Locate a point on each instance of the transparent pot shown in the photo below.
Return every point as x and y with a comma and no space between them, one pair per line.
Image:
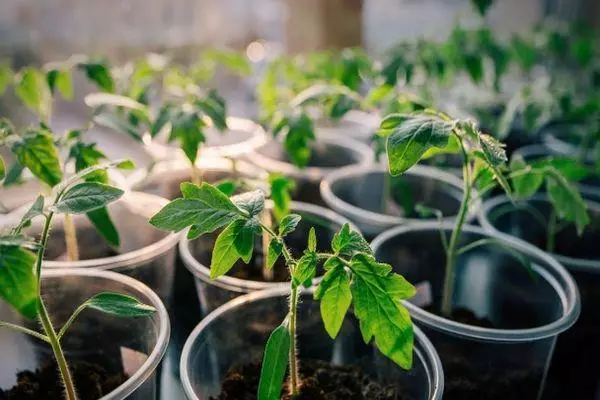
197,254
589,186
133,346
145,253
236,333
241,137
357,192
329,153
578,348
165,178
356,124
569,139
505,356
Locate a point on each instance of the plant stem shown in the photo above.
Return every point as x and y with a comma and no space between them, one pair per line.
196,175
448,289
265,219
71,239
22,329
45,319
550,242
293,352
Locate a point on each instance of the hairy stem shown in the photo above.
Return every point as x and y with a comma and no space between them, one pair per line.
63,367
294,380
27,331
266,219
196,175
71,239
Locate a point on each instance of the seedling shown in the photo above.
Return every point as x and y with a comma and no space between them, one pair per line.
412,137
353,275
22,257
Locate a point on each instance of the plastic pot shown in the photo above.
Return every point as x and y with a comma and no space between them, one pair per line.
197,254
236,333
567,138
134,346
589,186
242,136
502,350
578,348
166,177
356,124
357,192
145,253
329,153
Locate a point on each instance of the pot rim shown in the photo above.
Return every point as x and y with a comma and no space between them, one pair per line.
164,325
557,145
557,277
577,264
314,174
258,138
202,272
361,214
429,356
129,259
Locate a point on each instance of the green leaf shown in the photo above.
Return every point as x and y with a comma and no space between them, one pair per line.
526,181
85,156
312,239
226,186
300,134
32,88
305,269
20,241
36,151
288,224
482,6
13,175
163,118
347,242
280,194
493,150
85,197
377,293
101,220
84,173
213,105
119,305
275,363
411,136
188,128
566,199
18,283
99,73
570,168
203,206
114,122
2,168
251,202
526,53
474,66
335,295
6,76
60,80
235,242
37,208
275,250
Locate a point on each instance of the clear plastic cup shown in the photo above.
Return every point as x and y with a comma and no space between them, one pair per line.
329,153
567,138
578,348
212,293
236,333
356,124
134,346
357,192
508,355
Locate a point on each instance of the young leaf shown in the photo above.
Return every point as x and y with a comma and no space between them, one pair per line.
214,106
566,200
280,194
13,175
101,220
18,283
275,363
234,242
2,169
60,80
288,224
335,295
36,151
164,116
482,6
85,156
188,128
312,239
409,137
85,197
99,73
347,242
226,186
119,305
526,181
37,208
250,202
305,269
493,150
274,251
377,293
32,89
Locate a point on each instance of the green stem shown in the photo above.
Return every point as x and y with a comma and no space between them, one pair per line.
68,324
451,252
266,220
63,367
293,351
196,179
71,239
22,329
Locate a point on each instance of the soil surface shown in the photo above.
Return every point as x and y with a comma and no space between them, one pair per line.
321,381
91,380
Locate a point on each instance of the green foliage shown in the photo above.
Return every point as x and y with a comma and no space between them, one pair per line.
99,73
32,88
85,197
280,194
35,150
276,357
6,76
298,135
18,283
60,80
482,6
335,295
119,305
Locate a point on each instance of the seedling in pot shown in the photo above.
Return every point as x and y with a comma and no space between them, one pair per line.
23,257
353,275
412,137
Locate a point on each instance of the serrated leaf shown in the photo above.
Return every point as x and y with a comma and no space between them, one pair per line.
119,305
234,242
493,150
36,151
99,73
567,200
335,295
570,168
37,208
348,241
312,239
213,105
274,364
32,89
411,136
251,202
85,197
377,292
226,186
274,251
103,223
288,224
305,269
18,283
60,80
526,181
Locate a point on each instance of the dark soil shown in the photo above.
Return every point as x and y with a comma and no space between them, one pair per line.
321,381
92,382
